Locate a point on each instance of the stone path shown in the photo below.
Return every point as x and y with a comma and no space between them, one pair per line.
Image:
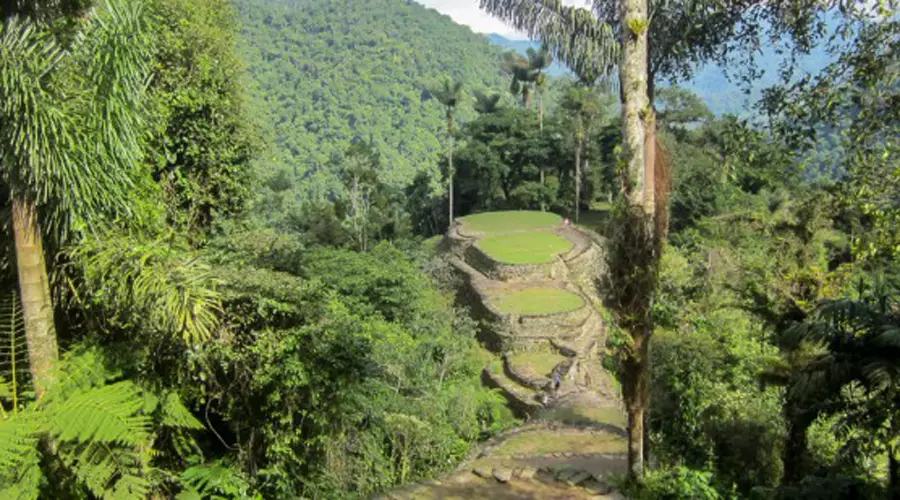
573,440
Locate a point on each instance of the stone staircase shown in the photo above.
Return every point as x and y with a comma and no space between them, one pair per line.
573,443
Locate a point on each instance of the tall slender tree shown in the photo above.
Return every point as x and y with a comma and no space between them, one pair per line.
618,35
70,134
583,104
449,94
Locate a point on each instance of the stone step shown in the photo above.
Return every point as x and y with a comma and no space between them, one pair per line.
523,400
521,367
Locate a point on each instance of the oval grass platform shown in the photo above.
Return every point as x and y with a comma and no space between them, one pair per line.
532,247
537,301
513,220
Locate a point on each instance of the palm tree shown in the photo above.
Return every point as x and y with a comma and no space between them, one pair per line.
538,61
584,105
590,45
70,132
449,94
486,104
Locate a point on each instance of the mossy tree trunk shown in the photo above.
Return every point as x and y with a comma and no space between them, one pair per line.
34,286
636,111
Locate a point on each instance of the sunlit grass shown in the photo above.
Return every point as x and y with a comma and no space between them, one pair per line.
541,362
539,300
532,247
513,220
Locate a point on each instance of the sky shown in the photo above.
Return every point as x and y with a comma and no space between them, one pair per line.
466,12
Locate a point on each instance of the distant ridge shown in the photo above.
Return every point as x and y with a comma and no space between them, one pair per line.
709,82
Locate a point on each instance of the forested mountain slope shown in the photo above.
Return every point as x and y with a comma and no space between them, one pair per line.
331,71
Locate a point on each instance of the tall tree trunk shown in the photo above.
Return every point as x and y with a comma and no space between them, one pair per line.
34,286
635,102
633,74
795,448
540,101
450,171
579,142
636,392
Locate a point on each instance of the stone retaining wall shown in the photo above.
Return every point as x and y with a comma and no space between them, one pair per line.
521,408
500,271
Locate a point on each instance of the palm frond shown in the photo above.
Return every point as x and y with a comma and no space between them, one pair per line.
71,124
150,284
586,44
448,93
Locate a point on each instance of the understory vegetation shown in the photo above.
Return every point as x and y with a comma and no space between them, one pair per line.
215,280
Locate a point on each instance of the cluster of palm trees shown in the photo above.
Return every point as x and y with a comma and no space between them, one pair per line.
529,78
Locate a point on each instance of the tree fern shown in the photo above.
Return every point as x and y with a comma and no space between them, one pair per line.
176,415
101,433
13,350
215,481
108,414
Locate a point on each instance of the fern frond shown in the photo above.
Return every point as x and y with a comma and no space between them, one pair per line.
108,414
20,473
215,480
108,471
13,349
176,415
129,487
81,370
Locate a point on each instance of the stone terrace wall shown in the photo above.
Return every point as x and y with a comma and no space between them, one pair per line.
500,271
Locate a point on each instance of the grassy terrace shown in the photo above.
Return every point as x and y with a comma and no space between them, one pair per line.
541,362
539,300
510,221
532,247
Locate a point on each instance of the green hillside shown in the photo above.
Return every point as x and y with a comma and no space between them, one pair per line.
331,71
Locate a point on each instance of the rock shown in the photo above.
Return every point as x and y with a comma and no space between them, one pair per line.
595,487
558,455
482,472
615,495
568,454
503,474
527,473
565,474
545,476
578,478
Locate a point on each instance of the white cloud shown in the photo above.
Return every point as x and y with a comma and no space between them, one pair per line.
468,13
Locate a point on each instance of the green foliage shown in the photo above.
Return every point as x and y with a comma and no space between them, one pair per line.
328,73
202,141
14,375
101,435
500,163
72,120
216,481
362,376
678,483
139,281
